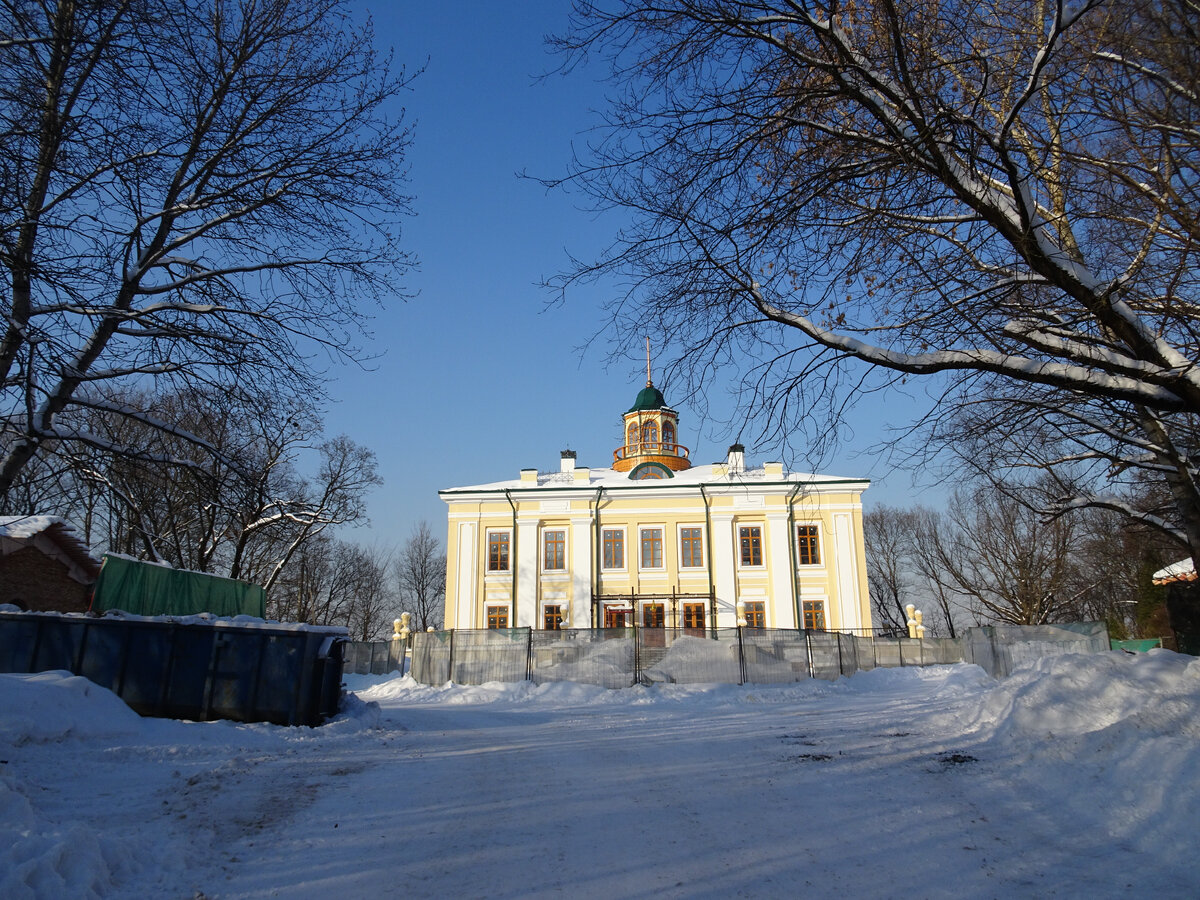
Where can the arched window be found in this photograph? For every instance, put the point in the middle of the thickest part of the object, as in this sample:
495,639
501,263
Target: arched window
668,438
631,438
650,436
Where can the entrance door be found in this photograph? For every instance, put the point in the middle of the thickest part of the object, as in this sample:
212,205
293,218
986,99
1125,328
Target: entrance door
617,616
693,618
654,617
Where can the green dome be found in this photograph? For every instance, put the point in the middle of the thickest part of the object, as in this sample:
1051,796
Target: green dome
648,397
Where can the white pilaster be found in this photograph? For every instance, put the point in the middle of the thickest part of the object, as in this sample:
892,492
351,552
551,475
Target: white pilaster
581,572
847,574
528,551
466,582
723,553
783,576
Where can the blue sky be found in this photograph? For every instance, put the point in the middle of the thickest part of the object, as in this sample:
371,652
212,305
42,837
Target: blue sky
476,377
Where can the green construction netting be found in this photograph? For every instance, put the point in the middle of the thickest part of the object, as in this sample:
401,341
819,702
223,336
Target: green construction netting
146,589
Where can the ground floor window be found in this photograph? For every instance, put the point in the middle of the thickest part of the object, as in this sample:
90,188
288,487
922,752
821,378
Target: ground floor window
552,617
497,616
756,614
814,615
693,616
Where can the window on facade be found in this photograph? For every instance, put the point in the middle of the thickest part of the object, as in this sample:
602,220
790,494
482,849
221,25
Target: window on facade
653,615
652,548
808,553
814,615
756,614
650,435
497,551
631,437
693,615
552,617
668,437
614,548
497,616
555,546
750,543
691,548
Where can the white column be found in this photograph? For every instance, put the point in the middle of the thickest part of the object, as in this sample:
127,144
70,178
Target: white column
782,574
581,573
528,552
849,608
724,573
468,577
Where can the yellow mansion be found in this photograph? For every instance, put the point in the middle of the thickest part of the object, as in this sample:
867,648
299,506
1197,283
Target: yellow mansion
654,541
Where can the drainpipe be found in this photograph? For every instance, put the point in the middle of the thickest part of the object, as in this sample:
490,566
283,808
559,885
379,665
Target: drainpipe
513,552
792,553
712,590
597,559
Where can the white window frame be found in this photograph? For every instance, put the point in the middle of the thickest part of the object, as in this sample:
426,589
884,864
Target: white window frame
624,549
762,545
703,547
662,539
487,542
566,533
820,564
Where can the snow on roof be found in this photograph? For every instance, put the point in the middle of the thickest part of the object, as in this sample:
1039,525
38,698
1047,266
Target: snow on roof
1184,570
25,529
696,475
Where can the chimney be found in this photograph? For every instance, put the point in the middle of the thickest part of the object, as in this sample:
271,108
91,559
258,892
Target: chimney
568,461
737,459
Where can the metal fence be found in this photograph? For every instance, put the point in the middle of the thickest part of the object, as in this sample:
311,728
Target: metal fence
372,657
622,657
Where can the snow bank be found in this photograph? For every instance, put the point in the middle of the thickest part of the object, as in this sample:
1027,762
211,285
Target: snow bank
50,706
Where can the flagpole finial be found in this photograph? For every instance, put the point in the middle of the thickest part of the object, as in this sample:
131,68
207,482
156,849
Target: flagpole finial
649,383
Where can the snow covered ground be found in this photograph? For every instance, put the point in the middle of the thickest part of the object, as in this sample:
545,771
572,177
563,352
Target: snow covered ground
1078,777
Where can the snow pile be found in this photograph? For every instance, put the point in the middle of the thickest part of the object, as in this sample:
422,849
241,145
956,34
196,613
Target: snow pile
51,706
1078,775
1156,693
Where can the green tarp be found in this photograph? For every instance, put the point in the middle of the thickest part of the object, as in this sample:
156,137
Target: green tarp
1137,645
146,589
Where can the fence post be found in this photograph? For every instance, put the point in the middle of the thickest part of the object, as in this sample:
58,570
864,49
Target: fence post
841,662
741,657
450,666
529,654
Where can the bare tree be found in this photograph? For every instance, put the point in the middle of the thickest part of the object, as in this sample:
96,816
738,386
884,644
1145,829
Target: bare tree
890,536
222,491
190,193
421,576
1003,195
1004,560
331,582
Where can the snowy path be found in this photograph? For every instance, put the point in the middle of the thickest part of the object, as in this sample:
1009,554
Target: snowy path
875,786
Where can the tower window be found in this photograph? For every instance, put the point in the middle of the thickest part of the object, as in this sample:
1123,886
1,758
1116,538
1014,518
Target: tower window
649,436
